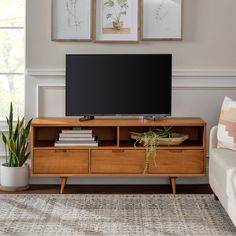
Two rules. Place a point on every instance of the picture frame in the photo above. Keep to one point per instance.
(116, 23)
(71, 20)
(161, 20)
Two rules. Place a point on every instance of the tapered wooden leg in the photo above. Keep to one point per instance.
(173, 184)
(63, 184)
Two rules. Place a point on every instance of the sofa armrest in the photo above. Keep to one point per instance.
(234, 182)
(213, 139)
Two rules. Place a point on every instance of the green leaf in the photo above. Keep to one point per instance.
(10, 121)
(109, 15)
(150, 140)
(109, 3)
(4, 138)
(122, 2)
(16, 132)
(24, 159)
(12, 149)
(27, 128)
(22, 122)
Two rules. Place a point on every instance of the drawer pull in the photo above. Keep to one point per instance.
(118, 150)
(179, 150)
(60, 150)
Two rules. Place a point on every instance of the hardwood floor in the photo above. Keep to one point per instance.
(115, 189)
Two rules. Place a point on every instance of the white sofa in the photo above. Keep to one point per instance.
(222, 175)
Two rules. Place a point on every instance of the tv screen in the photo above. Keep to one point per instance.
(132, 84)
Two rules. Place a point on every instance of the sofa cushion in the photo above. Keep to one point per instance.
(226, 133)
(223, 168)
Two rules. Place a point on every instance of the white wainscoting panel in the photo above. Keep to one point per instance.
(49, 98)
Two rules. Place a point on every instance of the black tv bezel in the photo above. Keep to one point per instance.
(117, 114)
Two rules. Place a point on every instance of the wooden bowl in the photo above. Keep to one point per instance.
(176, 139)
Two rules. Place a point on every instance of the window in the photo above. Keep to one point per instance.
(12, 52)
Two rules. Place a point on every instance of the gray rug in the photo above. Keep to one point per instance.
(110, 215)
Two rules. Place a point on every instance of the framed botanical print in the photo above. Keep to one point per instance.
(116, 21)
(161, 19)
(72, 20)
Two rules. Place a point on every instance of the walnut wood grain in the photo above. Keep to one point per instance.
(116, 154)
(65, 122)
(177, 162)
(117, 161)
(60, 161)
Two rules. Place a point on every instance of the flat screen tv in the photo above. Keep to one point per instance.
(120, 84)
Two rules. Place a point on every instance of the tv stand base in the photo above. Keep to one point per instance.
(172, 181)
(116, 154)
(85, 118)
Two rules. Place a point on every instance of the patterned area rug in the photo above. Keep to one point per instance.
(108, 215)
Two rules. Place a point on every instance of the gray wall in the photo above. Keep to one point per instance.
(209, 38)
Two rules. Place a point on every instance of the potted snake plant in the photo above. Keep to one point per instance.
(15, 171)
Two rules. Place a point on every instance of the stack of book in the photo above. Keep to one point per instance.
(76, 137)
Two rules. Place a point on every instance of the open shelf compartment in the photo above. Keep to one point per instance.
(195, 136)
(46, 136)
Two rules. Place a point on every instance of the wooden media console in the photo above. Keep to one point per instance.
(116, 154)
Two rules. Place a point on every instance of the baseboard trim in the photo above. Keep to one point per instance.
(118, 189)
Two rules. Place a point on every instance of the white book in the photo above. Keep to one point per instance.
(76, 139)
(75, 135)
(57, 144)
(74, 131)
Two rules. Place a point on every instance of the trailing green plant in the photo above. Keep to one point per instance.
(116, 15)
(16, 144)
(150, 140)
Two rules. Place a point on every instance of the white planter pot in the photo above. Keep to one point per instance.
(14, 178)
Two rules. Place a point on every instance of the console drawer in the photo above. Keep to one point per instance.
(60, 161)
(117, 161)
(177, 162)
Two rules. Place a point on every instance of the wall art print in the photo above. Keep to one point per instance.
(162, 19)
(116, 20)
(71, 19)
